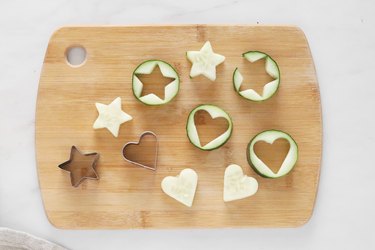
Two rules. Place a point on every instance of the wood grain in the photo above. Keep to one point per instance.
(127, 196)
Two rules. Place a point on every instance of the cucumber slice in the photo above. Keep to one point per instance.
(181, 187)
(167, 70)
(237, 185)
(215, 112)
(204, 61)
(111, 116)
(270, 136)
(269, 89)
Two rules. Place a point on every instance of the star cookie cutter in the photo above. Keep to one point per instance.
(81, 166)
(127, 156)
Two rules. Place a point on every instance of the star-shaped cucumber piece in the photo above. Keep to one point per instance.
(111, 116)
(204, 61)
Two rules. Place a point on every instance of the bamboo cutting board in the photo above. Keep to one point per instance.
(127, 196)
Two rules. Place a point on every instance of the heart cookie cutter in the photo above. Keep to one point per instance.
(144, 134)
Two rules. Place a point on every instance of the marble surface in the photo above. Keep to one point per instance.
(342, 39)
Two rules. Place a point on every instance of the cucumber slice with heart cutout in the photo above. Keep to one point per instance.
(167, 70)
(215, 112)
(270, 136)
(269, 89)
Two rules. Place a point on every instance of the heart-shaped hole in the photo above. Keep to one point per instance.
(255, 76)
(208, 129)
(273, 155)
(154, 83)
(143, 153)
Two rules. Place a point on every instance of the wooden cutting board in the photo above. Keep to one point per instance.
(127, 196)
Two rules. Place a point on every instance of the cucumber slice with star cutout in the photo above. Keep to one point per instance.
(167, 70)
(269, 89)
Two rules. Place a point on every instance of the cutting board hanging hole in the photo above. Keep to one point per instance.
(76, 56)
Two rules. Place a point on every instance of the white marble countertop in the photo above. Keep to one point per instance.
(342, 39)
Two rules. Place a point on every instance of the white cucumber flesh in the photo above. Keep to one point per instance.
(111, 116)
(204, 61)
(237, 185)
(181, 187)
(253, 56)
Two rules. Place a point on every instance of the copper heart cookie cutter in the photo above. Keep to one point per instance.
(126, 157)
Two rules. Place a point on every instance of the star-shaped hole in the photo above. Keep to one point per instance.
(154, 83)
(255, 76)
(81, 166)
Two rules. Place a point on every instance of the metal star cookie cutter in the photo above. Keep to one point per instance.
(135, 144)
(81, 166)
